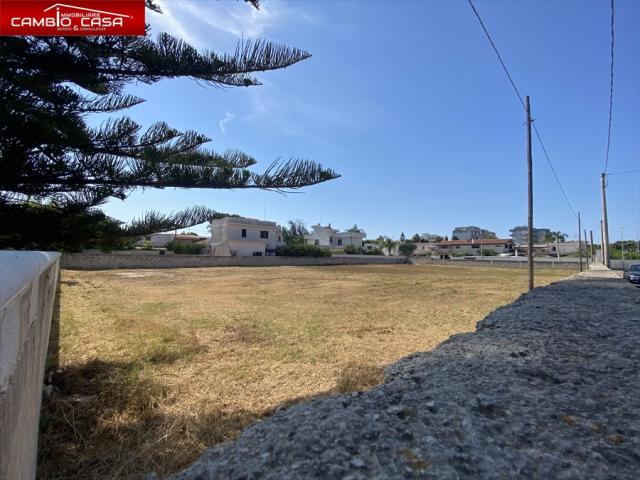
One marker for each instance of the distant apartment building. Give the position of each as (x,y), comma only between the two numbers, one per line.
(430,237)
(471,233)
(244,237)
(328,237)
(520,235)
(473,247)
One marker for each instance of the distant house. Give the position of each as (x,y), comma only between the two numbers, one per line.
(473,247)
(425,249)
(159,240)
(244,237)
(471,233)
(328,237)
(520,234)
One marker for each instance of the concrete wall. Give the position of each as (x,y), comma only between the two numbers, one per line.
(622,265)
(83,261)
(27,292)
(513,262)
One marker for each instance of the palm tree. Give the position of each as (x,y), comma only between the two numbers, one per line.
(556,237)
(389,244)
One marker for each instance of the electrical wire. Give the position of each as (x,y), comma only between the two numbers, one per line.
(624,172)
(606,160)
(515,88)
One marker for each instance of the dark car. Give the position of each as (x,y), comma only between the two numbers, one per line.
(633,274)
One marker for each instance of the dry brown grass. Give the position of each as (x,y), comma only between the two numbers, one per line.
(157,365)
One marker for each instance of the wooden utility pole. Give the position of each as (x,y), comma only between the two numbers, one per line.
(605,222)
(593,258)
(580,240)
(601,241)
(586,245)
(530,196)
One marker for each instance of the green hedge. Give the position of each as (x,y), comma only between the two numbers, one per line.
(297,250)
(185,248)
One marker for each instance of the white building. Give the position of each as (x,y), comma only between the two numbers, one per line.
(329,237)
(244,237)
(471,233)
(474,247)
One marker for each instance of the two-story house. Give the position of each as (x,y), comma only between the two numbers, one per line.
(244,237)
(329,237)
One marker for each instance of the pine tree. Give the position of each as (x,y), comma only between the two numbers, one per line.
(56,170)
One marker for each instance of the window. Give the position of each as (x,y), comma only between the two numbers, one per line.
(244,233)
(339,241)
(457,246)
(257,254)
(330,239)
(264,234)
(316,242)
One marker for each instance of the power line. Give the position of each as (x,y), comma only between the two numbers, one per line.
(515,88)
(564,194)
(495,49)
(622,173)
(606,161)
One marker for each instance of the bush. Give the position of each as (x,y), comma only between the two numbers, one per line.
(353,250)
(185,248)
(407,249)
(296,250)
(488,253)
(374,251)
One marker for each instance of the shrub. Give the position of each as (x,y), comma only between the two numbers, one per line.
(374,251)
(353,250)
(185,248)
(488,253)
(296,250)
(407,249)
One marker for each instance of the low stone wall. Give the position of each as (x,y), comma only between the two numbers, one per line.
(27,292)
(85,261)
(512,262)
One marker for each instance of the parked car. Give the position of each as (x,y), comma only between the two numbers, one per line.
(633,274)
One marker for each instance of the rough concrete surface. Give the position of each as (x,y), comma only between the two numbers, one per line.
(548,387)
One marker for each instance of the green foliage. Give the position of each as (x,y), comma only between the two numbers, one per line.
(353,250)
(355,229)
(389,244)
(185,248)
(488,252)
(551,237)
(407,249)
(374,251)
(296,250)
(630,250)
(53,158)
(295,232)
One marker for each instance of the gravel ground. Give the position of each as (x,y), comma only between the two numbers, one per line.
(548,387)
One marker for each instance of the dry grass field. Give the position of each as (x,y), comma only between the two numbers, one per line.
(157,365)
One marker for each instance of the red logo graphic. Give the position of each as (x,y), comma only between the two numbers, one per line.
(72,17)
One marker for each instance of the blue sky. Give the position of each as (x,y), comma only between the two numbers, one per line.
(407,101)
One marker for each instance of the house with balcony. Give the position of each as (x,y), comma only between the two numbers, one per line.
(455,248)
(329,237)
(244,237)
